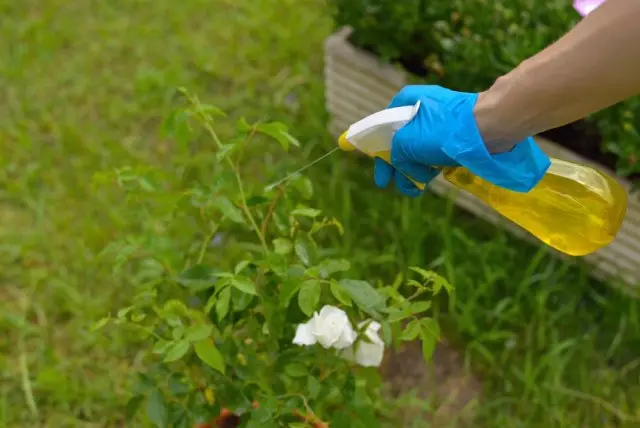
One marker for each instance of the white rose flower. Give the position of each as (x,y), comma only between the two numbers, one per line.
(370,351)
(330,328)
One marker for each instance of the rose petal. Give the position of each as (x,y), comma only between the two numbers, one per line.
(328,310)
(369,354)
(304,335)
(347,337)
(329,326)
(372,326)
(370,351)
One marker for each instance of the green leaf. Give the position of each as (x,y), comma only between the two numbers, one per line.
(198,277)
(256,200)
(418,307)
(340,295)
(175,307)
(178,332)
(364,295)
(224,151)
(132,406)
(161,346)
(209,111)
(438,282)
(431,326)
(176,351)
(100,323)
(313,387)
(306,212)
(296,370)
(177,386)
(222,305)
(177,416)
(244,284)
(396,314)
(229,210)
(241,300)
(309,296)
(240,266)
(197,333)
(242,125)
(282,246)
(387,335)
(411,331)
(209,354)
(302,251)
(211,302)
(328,267)
(157,409)
(279,132)
(425,274)
(304,186)
(176,126)
(429,334)
(288,289)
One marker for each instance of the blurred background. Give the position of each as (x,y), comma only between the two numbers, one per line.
(85,87)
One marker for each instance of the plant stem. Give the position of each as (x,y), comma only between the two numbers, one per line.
(26,382)
(243,197)
(245,208)
(205,243)
(272,206)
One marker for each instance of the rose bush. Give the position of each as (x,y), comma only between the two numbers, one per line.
(240,295)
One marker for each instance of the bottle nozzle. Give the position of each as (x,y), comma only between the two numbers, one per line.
(345,144)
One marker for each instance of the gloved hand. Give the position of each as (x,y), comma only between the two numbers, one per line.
(444,133)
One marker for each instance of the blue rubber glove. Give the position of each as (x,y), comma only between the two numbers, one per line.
(444,133)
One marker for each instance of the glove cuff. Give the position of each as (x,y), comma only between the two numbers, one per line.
(518,170)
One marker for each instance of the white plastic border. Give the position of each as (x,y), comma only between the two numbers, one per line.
(358,84)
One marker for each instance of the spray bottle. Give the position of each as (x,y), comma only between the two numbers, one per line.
(575,208)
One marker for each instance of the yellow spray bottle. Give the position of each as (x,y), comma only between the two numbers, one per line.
(575,208)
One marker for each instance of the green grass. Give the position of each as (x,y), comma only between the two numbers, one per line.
(85,86)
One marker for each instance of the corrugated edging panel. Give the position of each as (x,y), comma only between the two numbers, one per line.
(358,84)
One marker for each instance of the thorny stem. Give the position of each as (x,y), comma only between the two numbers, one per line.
(272,206)
(243,196)
(205,243)
(304,402)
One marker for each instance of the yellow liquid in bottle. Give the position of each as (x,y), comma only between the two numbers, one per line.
(574,208)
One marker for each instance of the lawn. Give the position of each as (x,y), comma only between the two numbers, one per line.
(85,87)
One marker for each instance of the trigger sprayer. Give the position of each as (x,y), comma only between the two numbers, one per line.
(575,208)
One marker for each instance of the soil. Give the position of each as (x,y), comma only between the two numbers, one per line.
(444,383)
(581,137)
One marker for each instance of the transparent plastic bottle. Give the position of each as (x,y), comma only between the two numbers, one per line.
(575,209)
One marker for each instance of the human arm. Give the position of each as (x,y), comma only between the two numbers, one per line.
(593,66)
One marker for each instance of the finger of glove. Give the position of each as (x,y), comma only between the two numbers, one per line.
(382,173)
(405,156)
(406,186)
(417,171)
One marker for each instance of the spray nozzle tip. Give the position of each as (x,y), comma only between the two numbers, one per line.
(345,144)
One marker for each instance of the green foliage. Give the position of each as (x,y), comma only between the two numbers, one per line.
(215,314)
(466,44)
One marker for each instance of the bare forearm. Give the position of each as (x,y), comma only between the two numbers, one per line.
(595,65)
